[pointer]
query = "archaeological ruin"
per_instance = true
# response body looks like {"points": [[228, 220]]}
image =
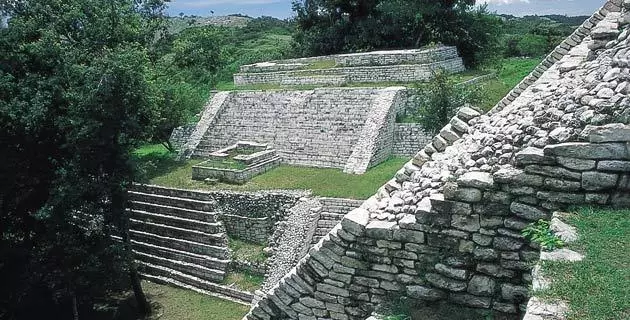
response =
{"points": [[445, 232]]}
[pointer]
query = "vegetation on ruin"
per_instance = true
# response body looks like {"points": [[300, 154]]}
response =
{"points": [[244, 280], [182, 304], [597, 287], [540, 233], [160, 168], [247, 251]]}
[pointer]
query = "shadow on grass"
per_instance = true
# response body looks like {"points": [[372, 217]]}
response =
{"points": [[153, 161]]}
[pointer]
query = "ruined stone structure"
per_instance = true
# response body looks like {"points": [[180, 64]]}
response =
{"points": [[446, 230], [378, 66], [350, 128]]}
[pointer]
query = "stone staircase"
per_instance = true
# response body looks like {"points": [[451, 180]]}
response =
{"points": [[333, 211], [179, 240]]}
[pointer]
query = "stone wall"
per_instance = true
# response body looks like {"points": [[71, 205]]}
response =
{"points": [[446, 231], [181, 135], [318, 127], [375, 58], [333, 210], [409, 138], [364, 74]]}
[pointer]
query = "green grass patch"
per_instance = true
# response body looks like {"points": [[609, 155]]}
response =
{"points": [[180, 304], [599, 286], [242, 250], [244, 280], [323, 64], [323, 182]]}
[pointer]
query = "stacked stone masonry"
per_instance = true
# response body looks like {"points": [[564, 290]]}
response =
{"points": [[375, 58], [333, 210], [378, 66], [446, 231], [409, 138], [321, 127]]}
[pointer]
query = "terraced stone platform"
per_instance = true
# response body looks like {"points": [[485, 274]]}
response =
{"points": [[180, 241]]}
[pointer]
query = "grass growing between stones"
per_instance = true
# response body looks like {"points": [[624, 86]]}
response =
{"points": [[322, 181], [244, 280], [599, 286], [242, 250], [180, 304]]}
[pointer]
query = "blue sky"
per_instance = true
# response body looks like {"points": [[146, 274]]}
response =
{"points": [[282, 8]]}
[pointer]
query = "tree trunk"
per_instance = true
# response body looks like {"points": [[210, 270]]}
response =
{"points": [[144, 308], [75, 308]]}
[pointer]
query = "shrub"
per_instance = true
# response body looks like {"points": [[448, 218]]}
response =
{"points": [[437, 101], [540, 232]]}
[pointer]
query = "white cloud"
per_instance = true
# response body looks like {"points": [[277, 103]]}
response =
{"points": [[209, 3], [504, 1]]}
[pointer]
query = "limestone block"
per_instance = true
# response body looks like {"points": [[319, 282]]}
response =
{"points": [[561, 255], [595, 181], [471, 300], [614, 165], [445, 283], [576, 164], [459, 274], [453, 192], [425, 293], [615, 132], [467, 113], [468, 223], [532, 155], [527, 212], [583, 150], [512, 292], [449, 134], [476, 179], [481, 285]]}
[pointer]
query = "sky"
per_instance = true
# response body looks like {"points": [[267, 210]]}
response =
{"points": [[282, 8]]}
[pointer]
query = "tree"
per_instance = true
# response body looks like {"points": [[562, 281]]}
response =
{"points": [[334, 26], [75, 98]]}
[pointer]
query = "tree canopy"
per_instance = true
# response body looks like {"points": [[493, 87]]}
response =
{"points": [[75, 97], [335, 26]]}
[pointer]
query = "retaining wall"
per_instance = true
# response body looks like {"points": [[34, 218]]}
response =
{"points": [[312, 127], [409, 138], [446, 231], [364, 74], [375, 58]]}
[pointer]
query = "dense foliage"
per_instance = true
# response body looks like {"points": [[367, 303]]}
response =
{"points": [[535, 36], [438, 100], [76, 96], [334, 26]]}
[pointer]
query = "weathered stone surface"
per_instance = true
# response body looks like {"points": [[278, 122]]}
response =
{"points": [[459, 274], [512, 292], [453, 192], [468, 223], [445, 283], [480, 180], [576, 164], [425, 293], [561, 255], [614, 132], [471, 300], [506, 243], [552, 171], [583, 150], [356, 221], [512, 175], [614, 165], [564, 231], [532, 155], [482, 285], [561, 197], [537, 309], [528, 212], [595, 181], [495, 270], [467, 113]]}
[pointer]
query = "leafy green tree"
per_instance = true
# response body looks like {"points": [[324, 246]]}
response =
{"points": [[334, 26], [75, 98], [438, 100]]}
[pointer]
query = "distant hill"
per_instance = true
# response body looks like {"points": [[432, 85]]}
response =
{"points": [[234, 20], [565, 20]]}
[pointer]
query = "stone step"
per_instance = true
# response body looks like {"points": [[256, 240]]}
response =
{"points": [[173, 254], [218, 239], [186, 203], [174, 211], [208, 227], [192, 269], [191, 282], [172, 192], [219, 252]]}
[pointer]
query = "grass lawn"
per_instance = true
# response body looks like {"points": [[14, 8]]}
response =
{"points": [[179, 304], [599, 286], [160, 168], [509, 74], [242, 250], [244, 280]]}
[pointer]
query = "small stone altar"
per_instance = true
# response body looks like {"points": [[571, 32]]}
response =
{"points": [[237, 163]]}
